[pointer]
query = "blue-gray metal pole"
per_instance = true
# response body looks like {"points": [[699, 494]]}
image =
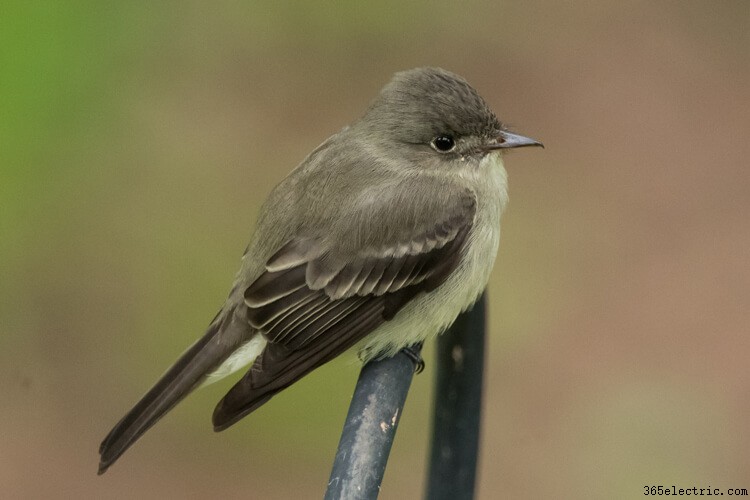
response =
{"points": [[370, 427], [457, 407]]}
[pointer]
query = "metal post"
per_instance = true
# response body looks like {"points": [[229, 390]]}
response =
{"points": [[370, 427], [458, 402]]}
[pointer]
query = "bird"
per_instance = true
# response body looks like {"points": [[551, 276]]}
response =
{"points": [[375, 242]]}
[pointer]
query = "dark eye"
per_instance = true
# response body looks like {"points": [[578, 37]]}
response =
{"points": [[443, 143]]}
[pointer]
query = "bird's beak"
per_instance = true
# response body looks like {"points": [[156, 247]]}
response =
{"points": [[507, 140]]}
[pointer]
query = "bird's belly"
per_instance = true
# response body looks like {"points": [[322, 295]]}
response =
{"points": [[431, 313]]}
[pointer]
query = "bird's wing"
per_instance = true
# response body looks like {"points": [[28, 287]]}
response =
{"points": [[320, 295]]}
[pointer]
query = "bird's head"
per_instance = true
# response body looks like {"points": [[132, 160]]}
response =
{"points": [[432, 114]]}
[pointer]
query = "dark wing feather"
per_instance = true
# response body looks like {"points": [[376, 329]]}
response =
{"points": [[313, 303]]}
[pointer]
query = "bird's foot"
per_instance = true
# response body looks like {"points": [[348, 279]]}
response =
{"points": [[412, 352]]}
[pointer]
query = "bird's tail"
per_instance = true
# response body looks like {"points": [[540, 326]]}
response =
{"points": [[184, 376]]}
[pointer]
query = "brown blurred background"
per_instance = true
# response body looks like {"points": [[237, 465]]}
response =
{"points": [[138, 140]]}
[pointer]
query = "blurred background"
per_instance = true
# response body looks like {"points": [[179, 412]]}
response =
{"points": [[138, 140]]}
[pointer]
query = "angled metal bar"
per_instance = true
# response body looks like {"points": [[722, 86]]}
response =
{"points": [[457, 407], [370, 427]]}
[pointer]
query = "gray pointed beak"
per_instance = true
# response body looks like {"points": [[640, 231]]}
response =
{"points": [[506, 140]]}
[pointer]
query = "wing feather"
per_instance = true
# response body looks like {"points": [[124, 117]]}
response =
{"points": [[319, 297]]}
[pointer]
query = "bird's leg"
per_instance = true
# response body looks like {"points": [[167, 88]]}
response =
{"points": [[413, 353]]}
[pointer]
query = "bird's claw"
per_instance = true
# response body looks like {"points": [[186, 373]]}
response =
{"points": [[413, 354]]}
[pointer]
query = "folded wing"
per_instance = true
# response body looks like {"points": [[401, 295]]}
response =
{"points": [[317, 299]]}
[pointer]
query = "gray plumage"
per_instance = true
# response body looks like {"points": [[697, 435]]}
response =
{"points": [[378, 240]]}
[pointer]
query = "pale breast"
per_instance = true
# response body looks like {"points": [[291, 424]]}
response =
{"points": [[429, 314]]}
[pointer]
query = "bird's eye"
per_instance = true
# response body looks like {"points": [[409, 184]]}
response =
{"points": [[443, 143]]}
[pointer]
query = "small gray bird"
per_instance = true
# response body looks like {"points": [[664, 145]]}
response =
{"points": [[377, 240]]}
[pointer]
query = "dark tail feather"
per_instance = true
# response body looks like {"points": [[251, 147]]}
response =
{"points": [[279, 367], [184, 376]]}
